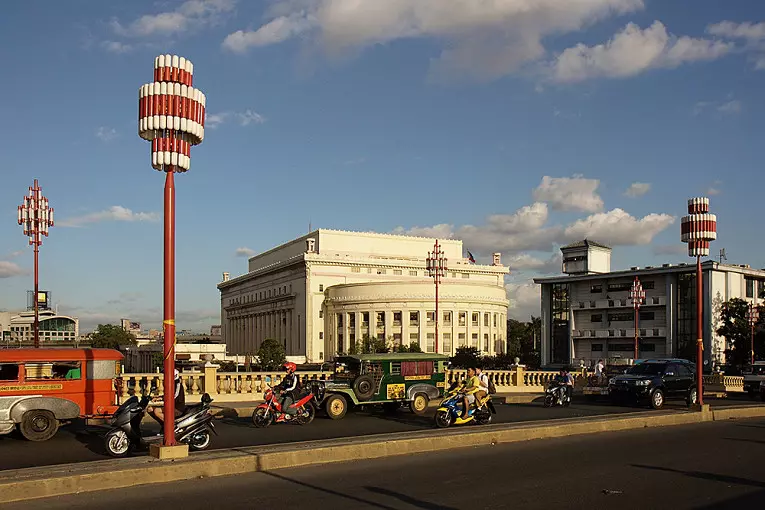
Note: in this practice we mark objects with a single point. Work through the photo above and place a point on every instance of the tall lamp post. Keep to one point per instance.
(637, 295)
(36, 216)
(172, 117)
(753, 316)
(698, 229)
(436, 265)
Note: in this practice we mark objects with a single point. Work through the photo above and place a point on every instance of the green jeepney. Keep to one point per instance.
(391, 380)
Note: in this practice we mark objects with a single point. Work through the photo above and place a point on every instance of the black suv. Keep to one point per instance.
(656, 381)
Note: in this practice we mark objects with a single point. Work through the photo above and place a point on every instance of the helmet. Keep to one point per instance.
(177, 374)
(290, 366)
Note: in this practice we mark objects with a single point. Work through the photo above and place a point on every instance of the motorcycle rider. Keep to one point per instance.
(157, 412)
(483, 389)
(288, 387)
(567, 380)
(471, 385)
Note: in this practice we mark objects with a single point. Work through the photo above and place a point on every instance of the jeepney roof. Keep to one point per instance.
(397, 356)
(46, 354)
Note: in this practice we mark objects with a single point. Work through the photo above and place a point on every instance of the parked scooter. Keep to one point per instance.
(270, 410)
(450, 411)
(556, 395)
(192, 428)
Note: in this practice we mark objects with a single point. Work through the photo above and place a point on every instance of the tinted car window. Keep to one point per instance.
(646, 369)
(673, 369)
(684, 371)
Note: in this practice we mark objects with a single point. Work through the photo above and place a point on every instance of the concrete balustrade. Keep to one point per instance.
(250, 386)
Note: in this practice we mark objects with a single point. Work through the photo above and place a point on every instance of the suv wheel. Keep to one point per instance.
(693, 397)
(657, 398)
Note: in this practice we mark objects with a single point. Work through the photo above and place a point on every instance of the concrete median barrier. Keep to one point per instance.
(33, 483)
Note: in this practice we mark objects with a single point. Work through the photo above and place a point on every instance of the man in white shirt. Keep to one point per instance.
(599, 367)
(483, 389)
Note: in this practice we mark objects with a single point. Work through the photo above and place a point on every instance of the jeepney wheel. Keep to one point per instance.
(38, 425)
(419, 404)
(117, 443)
(364, 387)
(443, 418)
(336, 407)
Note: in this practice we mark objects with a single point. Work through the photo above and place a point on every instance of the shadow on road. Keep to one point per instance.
(418, 503)
(752, 500)
(329, 491)
(733, 480)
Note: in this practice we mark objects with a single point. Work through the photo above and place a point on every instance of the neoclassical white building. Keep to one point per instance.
(323, 291)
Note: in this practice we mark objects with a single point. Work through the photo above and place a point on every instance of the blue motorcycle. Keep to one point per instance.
(450, 411)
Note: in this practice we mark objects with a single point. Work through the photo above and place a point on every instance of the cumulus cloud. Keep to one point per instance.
(116, 47)
(638, 189)
(747, 30)
(618, 227)
(244, 252)
(730, 107)
(441, 231)
(188, 16)
(11, 269)
(633, 51)
(524, 262)
(570, 193)
(114, 213)
(106, 134)
(243, 118)
(483, 40)
(524, 300)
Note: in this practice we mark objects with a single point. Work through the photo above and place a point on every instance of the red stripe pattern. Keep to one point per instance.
(699, 227)
(171, 113)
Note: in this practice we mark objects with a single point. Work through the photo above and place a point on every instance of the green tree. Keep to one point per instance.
(110, 336)
(466, 357)
(271, 354)
(157, 360)
(415, 347)
(734, 326)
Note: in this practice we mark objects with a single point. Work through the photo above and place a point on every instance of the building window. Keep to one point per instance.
(321, 287)
(495, 320)
(462, 318)
(351, 320)
(380, 319)
(339, 317)
(485, 342)
(474, 341)
(474, 318)
(397, 338)
(355, 270)
(397, 272)
(412, 273)
(414, 318)
(321, 314)
(646, 316)
(466, 275)
(749, 287)
(447, 318)
(431, 342)
(621, 317)
(461, 339)
(619, 287)
(414, 337)
(447, 342)
(647, 347)
(592, 304)
(559, 323)
(431, 318)
(648, 285)
(596, 317)
(486, 319)
(364, 319)
(321, 335)
(381, 270)
(596, 289)
(396, 318)
(596, 347)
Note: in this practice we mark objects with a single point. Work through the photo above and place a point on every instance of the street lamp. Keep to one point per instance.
(436, 266)
(172, 118)
(637, 295)
(753, 316)
(698, 229)
(36, 216)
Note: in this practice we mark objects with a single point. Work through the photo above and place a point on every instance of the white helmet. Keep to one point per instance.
(177, 374)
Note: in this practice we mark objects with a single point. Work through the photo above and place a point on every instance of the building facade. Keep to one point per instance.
(323, 291)
(587, 313)
(17, 328)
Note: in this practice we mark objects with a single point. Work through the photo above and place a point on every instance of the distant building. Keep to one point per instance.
(587, 314)
(324, 291)
(17, 328)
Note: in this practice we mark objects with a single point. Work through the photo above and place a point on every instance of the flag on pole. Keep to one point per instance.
(470, 257)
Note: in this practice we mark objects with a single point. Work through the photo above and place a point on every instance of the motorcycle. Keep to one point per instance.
(450, 411)
(271, 410)
(193, 427)
(556, 395)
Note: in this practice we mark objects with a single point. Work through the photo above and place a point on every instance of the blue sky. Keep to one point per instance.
(517, 130)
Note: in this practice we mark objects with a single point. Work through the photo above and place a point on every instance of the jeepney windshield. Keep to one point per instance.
(347, 369)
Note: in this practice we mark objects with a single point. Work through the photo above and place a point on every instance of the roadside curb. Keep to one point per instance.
(51, 481)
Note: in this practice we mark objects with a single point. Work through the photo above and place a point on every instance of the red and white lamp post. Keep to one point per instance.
(436, 266)
(698, 229)
(172, 117)
(752, 316)
(36, 215)
(637, 295)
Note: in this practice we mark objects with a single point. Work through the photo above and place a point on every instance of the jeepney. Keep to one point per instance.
(41, 388)
(392, 380)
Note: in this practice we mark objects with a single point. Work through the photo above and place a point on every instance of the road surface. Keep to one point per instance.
(703, 466)
(76, 443)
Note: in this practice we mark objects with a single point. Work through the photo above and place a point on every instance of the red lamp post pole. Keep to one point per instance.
(698, 229)
(637, 294)
(171, 115)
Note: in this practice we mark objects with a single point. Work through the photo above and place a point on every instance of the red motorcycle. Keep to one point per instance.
(271, 410)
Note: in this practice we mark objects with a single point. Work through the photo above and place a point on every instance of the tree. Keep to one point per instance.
(110, 336)
(735, 328)
(415, 347)
(271, 354)
(465, 357)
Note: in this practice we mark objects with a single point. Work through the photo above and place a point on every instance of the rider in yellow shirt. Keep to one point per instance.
(470, 387)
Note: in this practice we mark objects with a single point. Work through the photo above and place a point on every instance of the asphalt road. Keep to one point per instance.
(704, 466)
(76, 443)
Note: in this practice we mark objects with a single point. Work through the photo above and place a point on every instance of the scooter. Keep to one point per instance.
(271, 410)
(556, 395)
(450, 411)
(192, 428)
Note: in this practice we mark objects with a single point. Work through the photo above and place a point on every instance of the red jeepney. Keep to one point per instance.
(40, 388)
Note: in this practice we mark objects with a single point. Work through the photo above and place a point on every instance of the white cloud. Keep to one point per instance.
(525, 262)
(442, 231)
(524, 300)
(633, 51)
(570, 193)
(188, 16)
(244, 252)
(617, 227)
(114, 213)
(730, 107)
(747, 30)
(638, 189)
(10, 269)
(106, 134)
(713, 190)
(116, 47)
(243, 118)
(482, 39)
